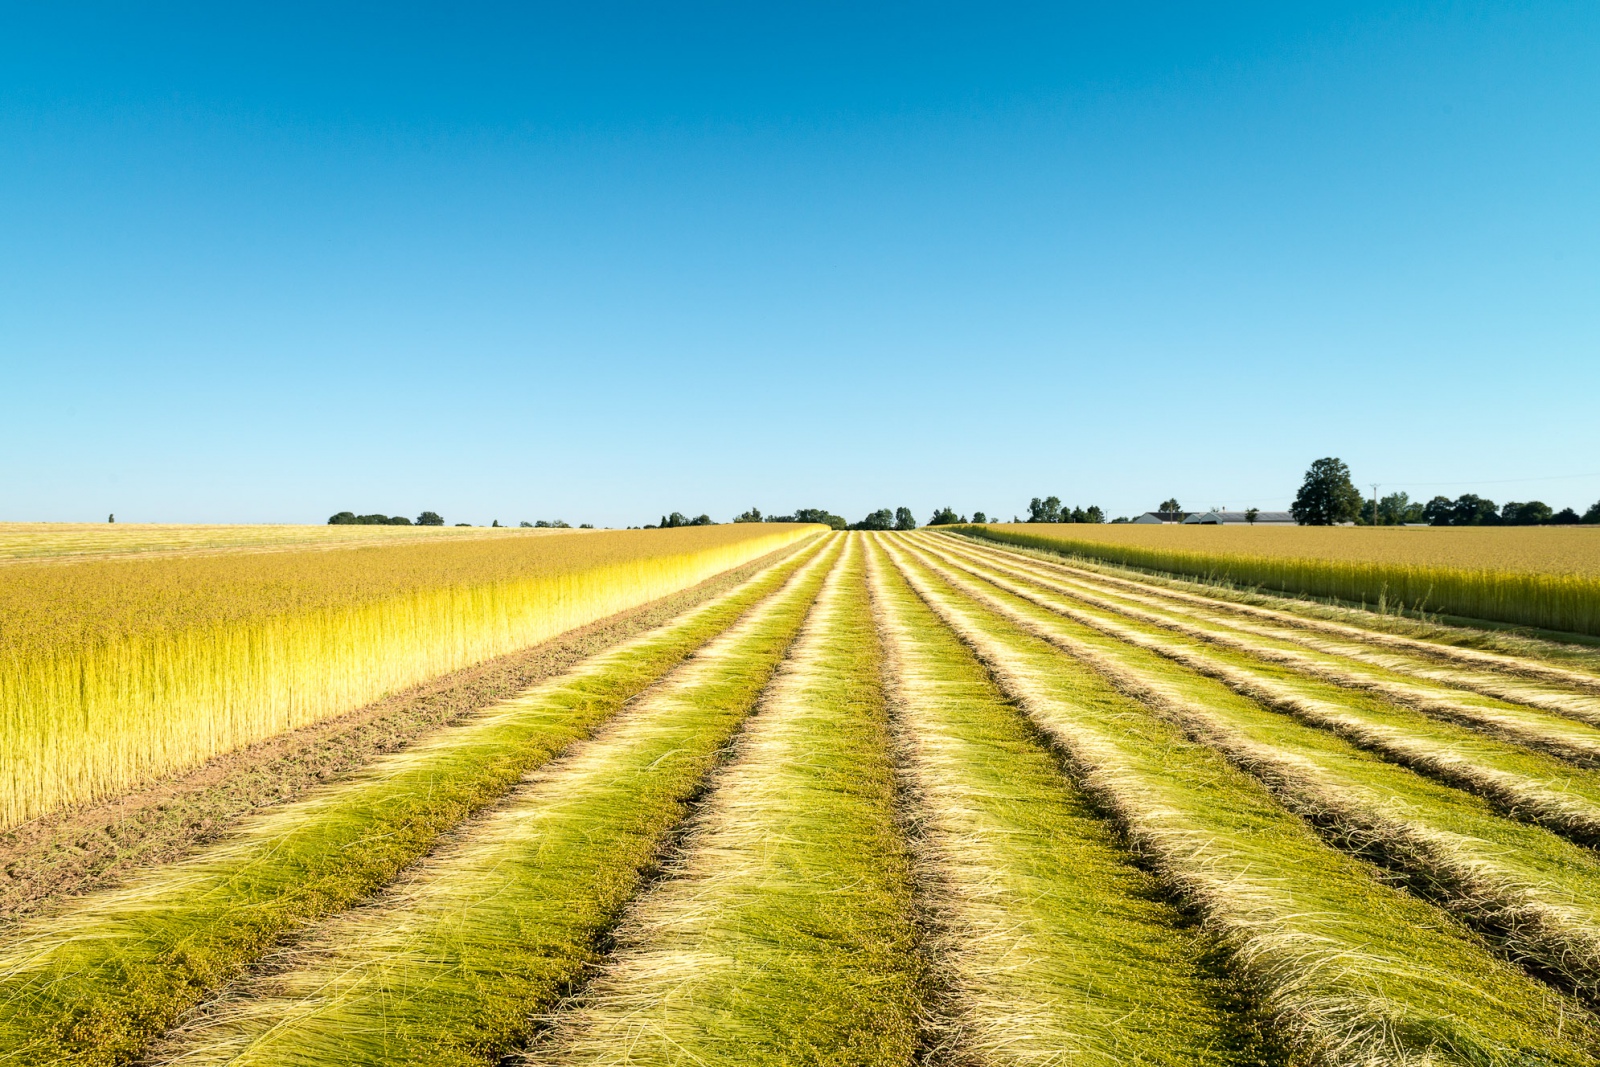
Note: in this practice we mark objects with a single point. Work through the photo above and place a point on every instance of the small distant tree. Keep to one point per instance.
(1093, 514)
(1046, 510)
(1327, 496)
(585, 525)
(701, 520)
(944, 517)
(1564, 517)
(822, 515)
(111, 517)
(433, 518)
(1593, 514)
(904, 520)
(1470, 509)
(1170, 505)
(753, 515)
(1438, 512)
(980, 517)
(525, 525)
(882, 519)
(1533, 513)
(495, 523)
(1078, 515)
(342, 518)
(1120, 519)
(1250, 515)
(1394, 509)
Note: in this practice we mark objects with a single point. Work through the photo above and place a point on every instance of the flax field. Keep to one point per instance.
(1535, 577)
(944, 797)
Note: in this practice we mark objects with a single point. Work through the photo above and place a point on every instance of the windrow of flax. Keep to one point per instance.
(1351, 971)
(116, 672)
(453, 962)
(1528, 889)
(784, 932)
(1564, 602)
(1520, 678)
(92, 981)
(1531, 784)
(1050, 943)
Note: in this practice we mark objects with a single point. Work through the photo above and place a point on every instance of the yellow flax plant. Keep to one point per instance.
(1551, 728)
(784, 931)
(1517, 679)
(90, 982)
(1349, 970)
(73, 541)
(451, 964)
(1529, 784)
(1558, 591)
(1054, 946)
(113, 673)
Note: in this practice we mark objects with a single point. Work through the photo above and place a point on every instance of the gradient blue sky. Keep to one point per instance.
(602, 261)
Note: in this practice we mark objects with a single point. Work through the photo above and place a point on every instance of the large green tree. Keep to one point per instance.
(1327, 496)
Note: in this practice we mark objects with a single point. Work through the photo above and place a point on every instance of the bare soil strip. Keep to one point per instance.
(1354, 972)
(75, 852)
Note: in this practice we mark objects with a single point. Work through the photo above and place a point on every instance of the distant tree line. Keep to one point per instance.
(678, 518)
(350, 518)
(1328, 496)
(882, 519)
(1050, 509)
(1469, 509)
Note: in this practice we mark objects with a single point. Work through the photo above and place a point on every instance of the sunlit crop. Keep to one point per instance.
(1527, 576)
(114, 671)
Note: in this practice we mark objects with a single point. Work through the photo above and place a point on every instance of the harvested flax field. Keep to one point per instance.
(779, 795)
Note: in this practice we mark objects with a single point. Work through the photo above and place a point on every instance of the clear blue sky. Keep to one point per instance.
(602, 261)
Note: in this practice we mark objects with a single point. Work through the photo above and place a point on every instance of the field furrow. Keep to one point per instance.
(1031, 894)
(1536, 895)
(1420, 683)
(1525, 783)
(1353, 971)
(94, 981)
(450, 965)
(784, 933)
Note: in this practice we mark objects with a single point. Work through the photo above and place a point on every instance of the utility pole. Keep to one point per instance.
(1374, 503)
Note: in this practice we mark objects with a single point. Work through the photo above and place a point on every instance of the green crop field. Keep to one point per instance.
(773, 795)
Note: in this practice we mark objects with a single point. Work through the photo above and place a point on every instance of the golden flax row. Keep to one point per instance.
(113, 672)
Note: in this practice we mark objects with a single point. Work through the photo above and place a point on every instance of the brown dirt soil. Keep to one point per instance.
(74, 852)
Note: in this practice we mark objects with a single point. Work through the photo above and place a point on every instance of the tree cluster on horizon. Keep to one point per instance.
(350, 518)
(1329, 497)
